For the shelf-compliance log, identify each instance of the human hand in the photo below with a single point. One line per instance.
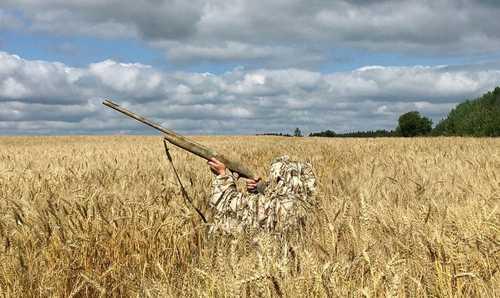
(217, 167)
(252, 184)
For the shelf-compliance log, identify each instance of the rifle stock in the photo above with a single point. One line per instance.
(185, 143)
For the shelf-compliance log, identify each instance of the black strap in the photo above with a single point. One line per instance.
(185, 195)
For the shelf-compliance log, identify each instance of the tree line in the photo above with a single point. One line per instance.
(479, 117)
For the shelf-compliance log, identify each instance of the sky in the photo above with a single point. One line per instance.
(240, 67)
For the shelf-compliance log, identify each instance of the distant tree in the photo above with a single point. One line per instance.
(274, 134)
(380, 133)
(297, 132)
(356, 134)
(479, 117)
(413, 124)
(326, 133)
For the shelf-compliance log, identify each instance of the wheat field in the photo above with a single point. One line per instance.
(104, 217)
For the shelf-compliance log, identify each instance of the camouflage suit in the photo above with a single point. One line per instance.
(281, 207)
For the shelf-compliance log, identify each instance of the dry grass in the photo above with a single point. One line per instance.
(102, 216)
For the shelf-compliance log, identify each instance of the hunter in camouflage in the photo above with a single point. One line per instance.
(282, 206)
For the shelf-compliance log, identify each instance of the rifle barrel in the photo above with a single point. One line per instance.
(184, 143)
(118, 108)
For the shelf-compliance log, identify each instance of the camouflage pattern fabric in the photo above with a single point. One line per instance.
(283, 206)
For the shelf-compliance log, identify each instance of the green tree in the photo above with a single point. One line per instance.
(297, 132)
(413, 124)
(479, 117)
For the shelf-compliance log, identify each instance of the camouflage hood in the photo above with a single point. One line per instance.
(293, 178)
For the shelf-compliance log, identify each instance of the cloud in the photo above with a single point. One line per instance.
(289, 33)
(181, 52)
(15, 111)
(8, 20)
(434, 83)
(38, 81)
(134, 80)
(43, 97)
(170, 19)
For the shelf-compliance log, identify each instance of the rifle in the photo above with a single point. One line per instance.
(185, 143)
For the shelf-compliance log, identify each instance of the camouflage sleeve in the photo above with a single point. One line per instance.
(225, 197)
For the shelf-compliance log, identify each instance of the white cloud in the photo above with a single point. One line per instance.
(39, 81)
(133, 79)
(413, 83)
(48, 97)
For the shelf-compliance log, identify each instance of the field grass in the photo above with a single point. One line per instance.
(103, 216)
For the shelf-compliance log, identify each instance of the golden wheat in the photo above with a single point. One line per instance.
(103, 216)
